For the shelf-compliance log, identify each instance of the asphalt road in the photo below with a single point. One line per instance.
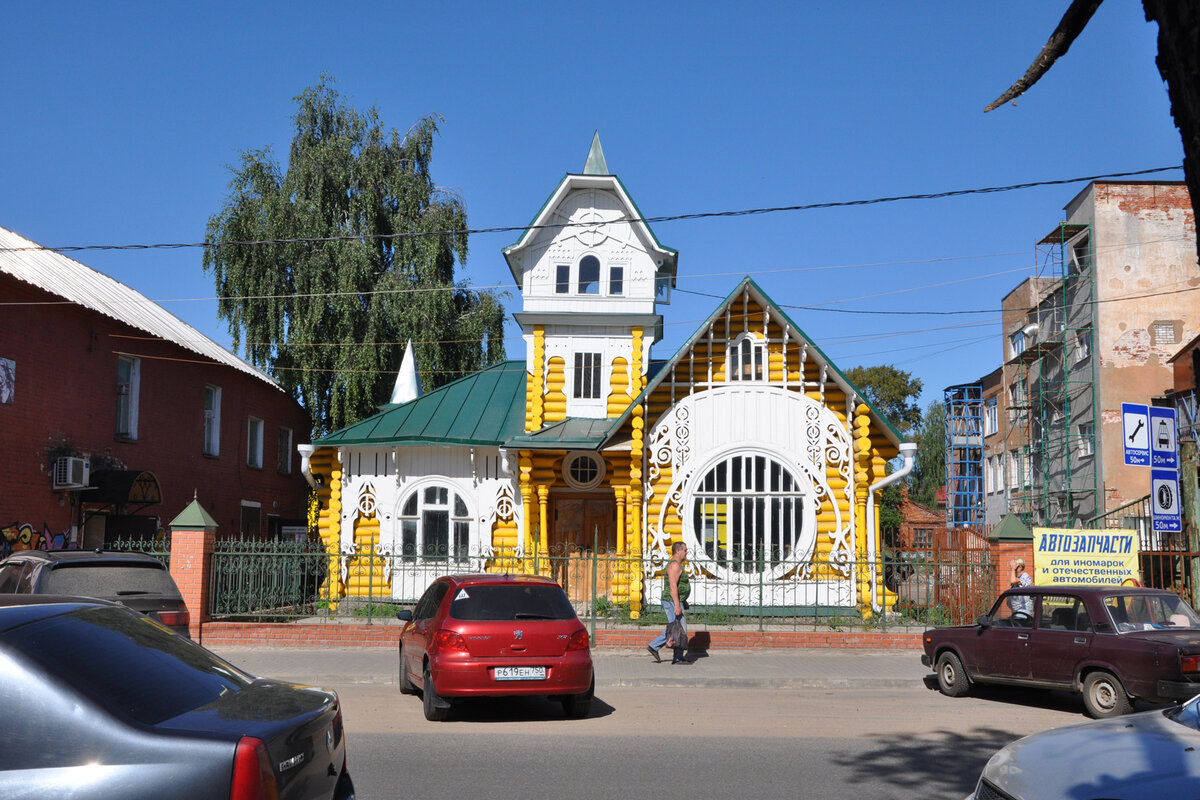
(764, 724)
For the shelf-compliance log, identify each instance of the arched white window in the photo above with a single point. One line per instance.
(746, 359)
(589, 275)
(435, 526)
(748, 513)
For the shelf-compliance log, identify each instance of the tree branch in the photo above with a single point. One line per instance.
(1073, 21)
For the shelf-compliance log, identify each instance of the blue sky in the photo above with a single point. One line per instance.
(121, 120)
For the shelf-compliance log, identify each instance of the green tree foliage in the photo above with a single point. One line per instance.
(929, 471)
(893, 391)
(330, 319)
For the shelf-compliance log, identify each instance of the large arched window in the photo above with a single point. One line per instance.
(745, 359)
(748, 513)
(589, 275)
(434, 526)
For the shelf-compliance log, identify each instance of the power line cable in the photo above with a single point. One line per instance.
(559, 225)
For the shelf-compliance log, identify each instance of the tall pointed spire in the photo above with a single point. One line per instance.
(408, 383)
(595, 161)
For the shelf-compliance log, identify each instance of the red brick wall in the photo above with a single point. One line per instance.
(66, 371)
(1003, 556)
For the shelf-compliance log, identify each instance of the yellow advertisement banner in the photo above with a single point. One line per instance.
(1073, 556)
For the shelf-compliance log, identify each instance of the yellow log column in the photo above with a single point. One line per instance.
(635, 509)
(543, 493)
(862, 478)
(525, 466)
(539, 379)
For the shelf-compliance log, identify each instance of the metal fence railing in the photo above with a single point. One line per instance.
(266, 581)
(158, 548)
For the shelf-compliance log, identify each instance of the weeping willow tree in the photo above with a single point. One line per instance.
(325, 270)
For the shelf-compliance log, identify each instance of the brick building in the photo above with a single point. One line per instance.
(114, 414)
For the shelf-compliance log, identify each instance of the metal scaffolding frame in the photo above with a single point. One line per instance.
(964, 455)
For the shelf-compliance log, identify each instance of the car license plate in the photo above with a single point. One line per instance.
(519, 673)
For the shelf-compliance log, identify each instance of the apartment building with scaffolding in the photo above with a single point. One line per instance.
(1116, 294)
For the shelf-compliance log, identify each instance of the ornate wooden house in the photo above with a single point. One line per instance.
(747, 443)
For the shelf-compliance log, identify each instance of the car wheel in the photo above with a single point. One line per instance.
(951, 678)
(1104, 696)
(436, 708)
(406, 684)
(577, 706)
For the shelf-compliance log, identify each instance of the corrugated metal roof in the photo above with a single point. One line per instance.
(572, 433)
(55, 273)
(484, 408)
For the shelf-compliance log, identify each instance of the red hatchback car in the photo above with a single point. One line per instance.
(493, 636)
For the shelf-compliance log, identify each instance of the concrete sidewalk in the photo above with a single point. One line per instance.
(776, 668)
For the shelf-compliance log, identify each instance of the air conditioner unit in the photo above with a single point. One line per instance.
(71, 473)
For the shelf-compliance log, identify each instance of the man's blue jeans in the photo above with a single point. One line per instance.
(661, 639)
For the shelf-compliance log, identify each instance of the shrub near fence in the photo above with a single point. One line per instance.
(266, 581)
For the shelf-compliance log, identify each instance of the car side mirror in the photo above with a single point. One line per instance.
(983, 621)
(404, 615)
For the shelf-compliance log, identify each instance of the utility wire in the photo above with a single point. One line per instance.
(559, 225)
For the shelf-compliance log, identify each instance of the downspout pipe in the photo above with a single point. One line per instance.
(908, 450)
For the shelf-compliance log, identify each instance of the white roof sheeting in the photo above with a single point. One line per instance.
(82, 285)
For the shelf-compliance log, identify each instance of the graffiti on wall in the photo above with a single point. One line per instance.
(23, 536)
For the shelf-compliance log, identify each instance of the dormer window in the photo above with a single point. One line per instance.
(589, 275)
(745, 359)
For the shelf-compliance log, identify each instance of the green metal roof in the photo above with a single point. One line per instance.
(1011, 529)
(572, 433)
(484, 408)
(194, 517)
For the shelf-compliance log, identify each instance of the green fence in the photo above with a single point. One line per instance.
(268, 581)
(158, 548)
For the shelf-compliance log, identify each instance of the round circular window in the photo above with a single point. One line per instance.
(583, 470)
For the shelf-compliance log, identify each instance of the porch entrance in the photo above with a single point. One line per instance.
(583, 534)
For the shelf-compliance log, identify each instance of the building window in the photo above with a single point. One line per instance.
(589, 275)
(129, 372)
(1083, 345)
(583, 470)
(747, 513)
(662, 289)
(1079, 257)
(254, 442)
(1016, 393)
(991, 416)
(562, 281)
(212, 420)
(283, 456)
(1014, 469)
(923, 538)
(1087, 439)
(1164, 334)
(1016, 343)
(616, 280)
(587, 376)
(435, 526)
(745, 359)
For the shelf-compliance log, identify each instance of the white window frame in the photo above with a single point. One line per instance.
(127, 397)
(1087, 438)
(212, 420)
(1164, 334)
(573, 478)
(254, 442)
(743, 346)
(991, 416)
(416, 507)
(587, 376)
(1016, 343)
(1083, 345)
(283, 457)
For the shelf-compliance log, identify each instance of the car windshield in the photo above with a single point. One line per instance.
(1145, 612)
(111, 580)
(125, 663)
(1187, 714)
(510, 602)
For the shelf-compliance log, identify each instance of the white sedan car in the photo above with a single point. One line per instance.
(1154, 754)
